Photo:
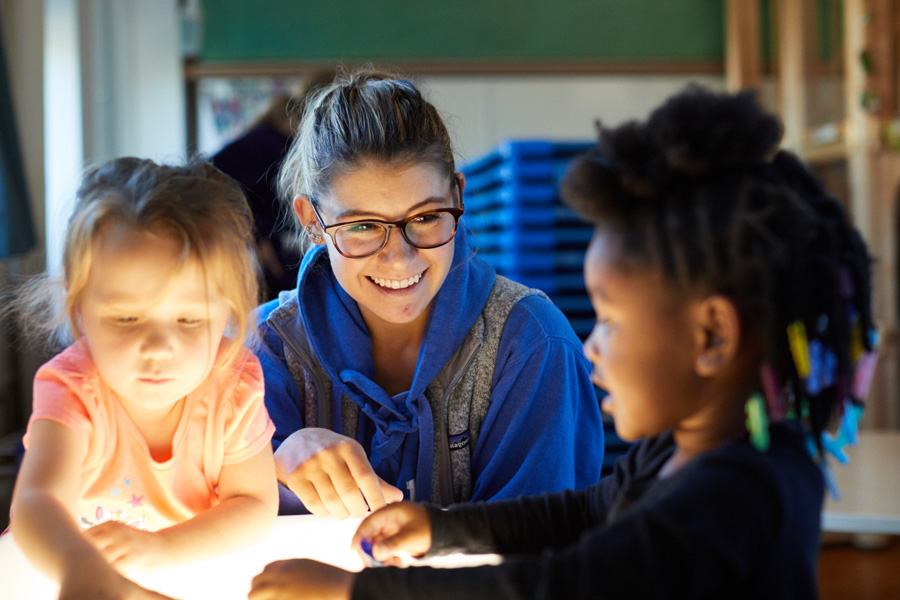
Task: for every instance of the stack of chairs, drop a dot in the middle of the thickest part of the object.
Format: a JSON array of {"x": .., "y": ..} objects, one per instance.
[
  {"x": 525, "y": 232},
  {"x": 522, "y": 228}
]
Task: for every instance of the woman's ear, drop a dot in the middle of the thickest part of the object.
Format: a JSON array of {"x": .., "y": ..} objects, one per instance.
[
  {"x": 718, "y": 334},
  {"x": 307, "y": 216}
]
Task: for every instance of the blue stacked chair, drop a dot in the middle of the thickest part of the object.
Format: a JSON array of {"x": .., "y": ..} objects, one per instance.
[
  {"x": 525, "y": 232},
  {"x": 521, "y": 227}
]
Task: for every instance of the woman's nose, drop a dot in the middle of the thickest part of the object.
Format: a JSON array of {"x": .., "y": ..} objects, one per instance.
[{"x": 397, "y": 248}]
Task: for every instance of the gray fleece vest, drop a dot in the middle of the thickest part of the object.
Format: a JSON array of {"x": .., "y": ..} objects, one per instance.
[{"x": 459, "y": 396}]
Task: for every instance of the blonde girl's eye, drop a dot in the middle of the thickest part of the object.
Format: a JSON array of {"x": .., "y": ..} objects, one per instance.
[
  {"x": 125, "y": 320},
  {"x": 189, "y": 321}
]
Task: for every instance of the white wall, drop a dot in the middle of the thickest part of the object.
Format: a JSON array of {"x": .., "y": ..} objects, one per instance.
[
  {"x": 113, "y": 86},
  {"x": 481, "y": 111},
  {"x": 133, "y": 86}
]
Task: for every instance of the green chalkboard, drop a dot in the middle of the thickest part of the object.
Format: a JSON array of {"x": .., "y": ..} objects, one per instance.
[{"x": 463, "y": 30}]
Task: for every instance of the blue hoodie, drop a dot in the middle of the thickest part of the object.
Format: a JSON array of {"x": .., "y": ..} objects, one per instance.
[{"x": 542, "y": 431}]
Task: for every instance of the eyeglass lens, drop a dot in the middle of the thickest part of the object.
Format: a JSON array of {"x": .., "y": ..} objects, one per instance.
[{"x": 425, "y": 231}]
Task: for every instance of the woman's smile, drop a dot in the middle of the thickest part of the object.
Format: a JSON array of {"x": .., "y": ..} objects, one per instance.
[{"x": 397, "y": 284}]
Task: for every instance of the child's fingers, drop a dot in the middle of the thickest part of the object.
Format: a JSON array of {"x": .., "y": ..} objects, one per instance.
[
  {"x": 409, "y": 540},
  {"x": 402, "y": 528},
  {"x": 380, "y": 523}
]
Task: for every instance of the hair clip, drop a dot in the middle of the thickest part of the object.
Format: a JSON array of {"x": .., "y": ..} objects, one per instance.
[
  {"x": 823, "y": 366},
  {"x": 830, "y": 481},
  {"x": 834, "y": 447},
  {"x": 862, "y": 376},
  {"x": 757, "y": 423},
  {"x": 874, "y": 338},
  {"x": 771, "y": 391},
  {"x": 849, "y": 428},
  {"x": 799, "y": 348}
]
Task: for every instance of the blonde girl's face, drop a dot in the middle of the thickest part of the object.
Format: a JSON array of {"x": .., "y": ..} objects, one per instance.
[
  {"x": 396, "y": 285},
  {"x": 153, "y": 329},
  {"x": 641, "y": 346}
]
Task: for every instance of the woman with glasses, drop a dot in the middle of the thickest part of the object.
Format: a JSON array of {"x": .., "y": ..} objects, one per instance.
[{"x": 402, "y": 366}]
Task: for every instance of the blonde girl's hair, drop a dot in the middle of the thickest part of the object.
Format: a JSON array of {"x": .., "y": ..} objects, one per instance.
[
  {"x": 194, "y": 202},
  {"x": 363, "y": 116}
]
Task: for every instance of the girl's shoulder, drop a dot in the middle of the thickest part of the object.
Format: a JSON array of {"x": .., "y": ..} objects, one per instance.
[{"x": 74, "y": 365}]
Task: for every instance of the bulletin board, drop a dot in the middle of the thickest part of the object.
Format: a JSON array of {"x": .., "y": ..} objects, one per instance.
[{"x": 471, "y": 31}]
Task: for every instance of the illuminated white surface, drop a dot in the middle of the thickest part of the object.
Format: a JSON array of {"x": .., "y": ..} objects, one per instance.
[
  {"x": 223, "y": 578},
  {"x": 869, "y": 486}
]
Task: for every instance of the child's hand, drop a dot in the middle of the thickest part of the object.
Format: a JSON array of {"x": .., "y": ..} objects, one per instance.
[
  {"x": 396, "y": 529},
  {"x": 127, "y": 548},
  {"x": 301, "y": 578}
]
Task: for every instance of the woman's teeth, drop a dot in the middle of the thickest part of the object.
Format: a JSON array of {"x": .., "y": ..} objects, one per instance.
[{"x": 397, "y": 284}]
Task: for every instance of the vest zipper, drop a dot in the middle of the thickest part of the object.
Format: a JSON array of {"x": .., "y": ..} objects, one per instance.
[{"x": 446, "y": 477}]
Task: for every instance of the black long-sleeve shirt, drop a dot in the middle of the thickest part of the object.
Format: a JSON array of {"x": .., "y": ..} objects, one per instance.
[{"x": 733, "y": 523}]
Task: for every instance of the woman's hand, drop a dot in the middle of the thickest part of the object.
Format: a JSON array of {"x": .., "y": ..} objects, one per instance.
[
  {"x": 301, "y": 578},
  {"x": 398, "y": 529},
  {"x": 127, "y": 548},
  {"x": 331, "y": 474}
]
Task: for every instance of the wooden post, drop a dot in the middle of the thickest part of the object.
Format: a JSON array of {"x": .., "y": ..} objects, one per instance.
[
  {"x": 791, "y": 19},
  {"x": 881, "y": 42},
  {"x": 742, "y": 45}
]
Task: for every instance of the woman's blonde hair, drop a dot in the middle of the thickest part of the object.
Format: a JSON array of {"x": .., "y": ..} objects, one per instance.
[{"x": 194, "y": 202}]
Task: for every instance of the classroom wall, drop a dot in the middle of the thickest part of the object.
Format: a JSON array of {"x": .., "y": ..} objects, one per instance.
[{"x": 482, "y": 110}]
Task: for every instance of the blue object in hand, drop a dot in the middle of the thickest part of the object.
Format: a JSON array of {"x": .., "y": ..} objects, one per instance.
[{"x": 369, "y": 558}]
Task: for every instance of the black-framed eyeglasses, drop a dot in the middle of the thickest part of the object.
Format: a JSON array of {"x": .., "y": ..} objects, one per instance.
[{"x": 424, "y": 230}]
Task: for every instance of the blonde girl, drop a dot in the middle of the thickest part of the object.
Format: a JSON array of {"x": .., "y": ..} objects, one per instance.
[{"x": 149, "y": 444}]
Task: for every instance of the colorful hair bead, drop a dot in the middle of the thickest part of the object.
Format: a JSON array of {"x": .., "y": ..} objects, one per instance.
[
  {"x": 771, "y": 391},
  {"x": 874, "y": 339},
  {"x": 757, "y": 423},
  {"x": 862, "y": 377},
  {"x": 823, "y": 368},
  {"x": 799, "y": 348},
  {"x": 849, "y": 428},
  {"x": 830, "y": 481},
  {"x": 834, "y": 447}
]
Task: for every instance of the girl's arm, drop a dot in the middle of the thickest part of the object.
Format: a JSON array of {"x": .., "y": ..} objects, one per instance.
[
  {"x": 248, "y": 503},
  {"x": 45, "y": 529}
]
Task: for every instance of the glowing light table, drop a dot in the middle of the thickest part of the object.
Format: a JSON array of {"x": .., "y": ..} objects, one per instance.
[{"x": 223, "y": 578}]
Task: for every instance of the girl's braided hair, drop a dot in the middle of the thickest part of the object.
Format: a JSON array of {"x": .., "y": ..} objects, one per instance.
[{"x": 701, "y": 192}]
